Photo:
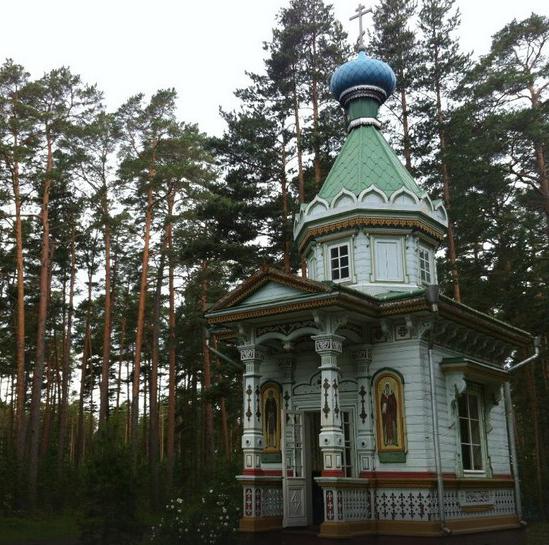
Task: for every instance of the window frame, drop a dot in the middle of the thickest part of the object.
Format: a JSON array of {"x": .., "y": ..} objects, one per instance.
[
  {"x": 477, "y": 391},
  {"x": 400, "y": 253},
  {"x": 311, "y": 266},
  {"x": 329, "y": 258},
  {"x": 430, "y": 262},
  {"x": 349, "y": 454}
]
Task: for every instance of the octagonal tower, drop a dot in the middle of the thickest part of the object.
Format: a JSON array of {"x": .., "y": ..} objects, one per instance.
[{"x": 370, "y": 227}]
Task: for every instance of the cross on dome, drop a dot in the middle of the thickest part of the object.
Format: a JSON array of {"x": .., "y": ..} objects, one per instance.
[{"x": 360, "y": 12}]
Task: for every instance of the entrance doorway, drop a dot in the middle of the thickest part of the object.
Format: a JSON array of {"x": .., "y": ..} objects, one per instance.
[{"x": 315, "y": 467}]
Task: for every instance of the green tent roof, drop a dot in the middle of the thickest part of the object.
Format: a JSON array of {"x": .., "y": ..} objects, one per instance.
[{"x": 366, "y": 159}]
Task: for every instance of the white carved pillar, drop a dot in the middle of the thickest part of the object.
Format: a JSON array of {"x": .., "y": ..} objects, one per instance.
[
  {"x": 287, "y": 367},
  {"x": 252, "y": 436},
  {"x": 329, "y": 346},
  {"x": 362, "y": 357}
]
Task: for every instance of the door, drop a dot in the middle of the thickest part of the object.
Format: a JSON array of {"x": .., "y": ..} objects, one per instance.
[
  {"x": 315, "y": 468},
  {"x": 294, "y": 482}
]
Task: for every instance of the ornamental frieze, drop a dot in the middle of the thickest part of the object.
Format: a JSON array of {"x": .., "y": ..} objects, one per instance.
[
  {"x": 479, "y": 497},
  {"x": 285, "y": 329},
  {"x": 250, "y": 353},
  {"x": 328, "y": 344}
]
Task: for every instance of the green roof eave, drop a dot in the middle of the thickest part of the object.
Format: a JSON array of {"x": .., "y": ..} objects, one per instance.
[
  {"x": 365, "y": 160},
  {"x": 397, "y": 295}
]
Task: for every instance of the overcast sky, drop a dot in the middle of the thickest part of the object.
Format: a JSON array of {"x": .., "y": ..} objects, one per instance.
[{"x": 201, "y": 48}]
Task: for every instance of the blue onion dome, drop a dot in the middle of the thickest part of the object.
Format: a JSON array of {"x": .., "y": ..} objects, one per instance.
[{"x": 363, "y": 77}]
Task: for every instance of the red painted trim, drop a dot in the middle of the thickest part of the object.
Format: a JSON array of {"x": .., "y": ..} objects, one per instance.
[
  {"x": 403, "y": 475},
  {"x": 257, "y": 472},
  {"x": 272, "y": 472},
  {"x": 333, "y": 473}
]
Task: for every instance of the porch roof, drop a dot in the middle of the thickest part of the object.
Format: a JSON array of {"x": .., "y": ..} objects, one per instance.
[{"x": 255, "y": 299}]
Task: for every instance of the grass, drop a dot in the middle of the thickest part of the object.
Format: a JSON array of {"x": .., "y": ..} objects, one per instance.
[{"x": 39, "y": 529}]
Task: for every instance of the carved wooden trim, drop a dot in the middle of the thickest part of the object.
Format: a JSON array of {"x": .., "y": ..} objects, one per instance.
[{"x": 370, "y": 221}]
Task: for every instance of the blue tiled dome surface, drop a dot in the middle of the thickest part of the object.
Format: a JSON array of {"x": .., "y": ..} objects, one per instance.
[{"x": 363, "y": 70}]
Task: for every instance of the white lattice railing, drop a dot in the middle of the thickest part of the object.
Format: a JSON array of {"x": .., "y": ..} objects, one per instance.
[
  {"x": 272, "y": 502},
  {"x": 356, "y": 504}
]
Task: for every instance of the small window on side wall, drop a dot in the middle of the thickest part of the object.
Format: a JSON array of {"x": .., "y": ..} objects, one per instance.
[
  {"x": 471, "y": 431},
  {"x": 340, "y": 268},
  {"x": 425, "y": 272}
]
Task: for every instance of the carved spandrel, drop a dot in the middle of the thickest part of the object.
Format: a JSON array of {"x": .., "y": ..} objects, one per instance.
[{"x": 285, "y": 329}]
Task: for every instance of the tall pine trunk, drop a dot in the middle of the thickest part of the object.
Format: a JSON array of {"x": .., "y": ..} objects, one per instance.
[
  {"x": 105, "y": 368},
  {"x": 134, "y": 431},
  {"x": 172, "y": 378},
  {"x": 20, "y": 331},
  {"x": 452, "y": 255},
  {"x": 541, "y": 165},
  {"x": 286, "y": 232},
  {"x": 406, "y": 130},
  {"x": 86, "y": 353},
  {"x": 298, "y": 145},
  {"x": 314, "y": 100},
  {"x": 207, "y": 371},
  {"x": 41, "y": 331},
  {"x": 63, "y": 415},
  {"x": 154, "y": 434}
]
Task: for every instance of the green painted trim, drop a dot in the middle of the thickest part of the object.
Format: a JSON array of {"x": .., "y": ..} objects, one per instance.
[
  {"x": 396, "y": 295},
  {"x": 271, "y": 457},
  {"x": 392, "y": 457},
  {"x": 362, "y": 107}
]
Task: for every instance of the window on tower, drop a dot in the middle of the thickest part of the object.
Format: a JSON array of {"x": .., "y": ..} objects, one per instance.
[
  {"x": 425, "y": 270},
  {"x": 388, "y": 259},
  {"x": 339, "y": 262}
]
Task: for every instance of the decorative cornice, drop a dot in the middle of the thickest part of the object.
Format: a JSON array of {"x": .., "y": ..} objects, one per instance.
[
  {"x": 271, "y": 311},
  {"x": 467, "y": 316},
  {"x": 474, "y": 370},
  {"x": 362, "y": 91},
  {"x": 370, "y": 221},
  {"x": 363, "y": 121}
]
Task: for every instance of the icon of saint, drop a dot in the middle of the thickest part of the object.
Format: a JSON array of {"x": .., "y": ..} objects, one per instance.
[
  {"x": 271, "y": 420},
  {"x": 389, "y": 416}
]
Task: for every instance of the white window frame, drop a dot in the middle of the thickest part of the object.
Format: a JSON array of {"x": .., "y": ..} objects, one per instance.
[
  {"x": 311, "y": 266},
  {"x": 349, "y": 462},
  {"x": 401, "y": 254},
  {"x": 477, "y": 391},
  {"x": 329, "y": 269},
  {"x": 430, "y": 262}
]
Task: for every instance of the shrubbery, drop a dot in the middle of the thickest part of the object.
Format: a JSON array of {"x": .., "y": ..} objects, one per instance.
[{"x": 208, "y": 519}]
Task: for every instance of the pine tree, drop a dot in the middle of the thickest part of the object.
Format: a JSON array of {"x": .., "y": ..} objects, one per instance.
[
  {"x": 441, "y": 66},
  {"x": 394, "y": 41},
  {"x": 16, "y": 147},
  {"x": 61, "y": 100}
]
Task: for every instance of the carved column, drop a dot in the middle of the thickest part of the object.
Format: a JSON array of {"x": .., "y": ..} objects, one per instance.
[
  {"x": 252, "y": 436},
  {"x": 287, "y": 367},
  {"x": 362, "y": 357},
  {"x": 329, "y": 346}
]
